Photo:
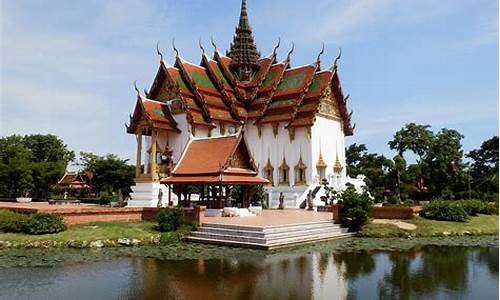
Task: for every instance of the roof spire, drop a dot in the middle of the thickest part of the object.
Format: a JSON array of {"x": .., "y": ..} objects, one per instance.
[{"x": 243, "y": 51}]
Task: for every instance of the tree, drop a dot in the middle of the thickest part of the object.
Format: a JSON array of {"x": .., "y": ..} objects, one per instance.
[
  {"x": 354, "y": 155},
  {"x": 413, "y": 137},
  {"x": 443, "y": 164},
  {"x": 110, "y": 172},
  {"x": 356, "y": 208},
  {"x": 50, "y": 157},
  {"x": 483, "y": 167},
  {"x": 15, "y": 169},
  {"x": 374, "y": 166},
  {"x": 398, "y": 168}
]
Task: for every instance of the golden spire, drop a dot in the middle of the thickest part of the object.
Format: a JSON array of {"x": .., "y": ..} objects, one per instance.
[
  {"x": 321, "y": 162},
  {"x": 337, "y": 166}
]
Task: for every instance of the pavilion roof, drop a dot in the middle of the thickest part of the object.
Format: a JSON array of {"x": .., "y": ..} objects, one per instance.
[
  {"x": 72, "y": 180},
  {"x": 152, "y": 113},
  {"x": 220, "y": 160}
]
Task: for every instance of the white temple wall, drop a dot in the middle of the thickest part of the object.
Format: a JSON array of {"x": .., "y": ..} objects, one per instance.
[
  {"x": 274, "y": 148},
  {"x": 328, "y": 136}
]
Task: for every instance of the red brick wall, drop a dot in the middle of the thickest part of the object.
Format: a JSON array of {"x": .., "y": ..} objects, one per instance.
[{"x": 391, "y": 212}]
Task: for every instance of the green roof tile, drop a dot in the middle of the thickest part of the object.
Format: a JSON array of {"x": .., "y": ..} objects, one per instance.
[{"x": 291, "y": 82}]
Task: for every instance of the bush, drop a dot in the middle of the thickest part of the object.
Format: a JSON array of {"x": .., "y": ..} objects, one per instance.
[
  {"x": 445, "y": 211},
  {"x": 12, "y": 222},
  {"x": 170, "y": 219},
  {"x": 474, "y": 207},
  {"x": 356, "y": 209},
  {"x": 40, "y": 223},
  {"x": 31, "y": 224}
]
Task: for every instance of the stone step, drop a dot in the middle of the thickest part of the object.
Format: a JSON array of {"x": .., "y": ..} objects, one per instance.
[
  {"x": 227, "y": 237},
  {"x": 268, "y": 233},
  {"x": 271, "y": 228},
  {"x": 304, "y": 238},
  {"x": 275, "y": 245},
  {"x": 264, "y": 238},
  {"x": 315, "y": 239}
]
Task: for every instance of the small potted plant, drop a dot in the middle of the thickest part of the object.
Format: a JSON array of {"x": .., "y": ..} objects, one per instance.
[{"x": 25, "y": 188}]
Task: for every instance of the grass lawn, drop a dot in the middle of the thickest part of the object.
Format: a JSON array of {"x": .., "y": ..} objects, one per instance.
[
  {"x": 480, "y": 225},
  {"x": 91, "y": 232}
]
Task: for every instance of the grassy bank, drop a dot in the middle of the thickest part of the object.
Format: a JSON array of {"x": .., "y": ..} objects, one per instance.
[
  {"x": 95, "y": 235},
  {"x": 479, "y": 225}
]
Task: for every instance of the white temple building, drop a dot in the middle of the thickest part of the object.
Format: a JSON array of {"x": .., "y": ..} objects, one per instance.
[{"x": 292, "y": 121}]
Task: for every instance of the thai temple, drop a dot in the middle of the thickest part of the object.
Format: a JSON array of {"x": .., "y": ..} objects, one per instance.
[{"x": 240, "y": 118}]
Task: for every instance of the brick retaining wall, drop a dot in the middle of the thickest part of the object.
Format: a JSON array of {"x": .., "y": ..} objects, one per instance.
[
  {"x": 81, "y": 215},
  {"x": 392, "y": 212}
]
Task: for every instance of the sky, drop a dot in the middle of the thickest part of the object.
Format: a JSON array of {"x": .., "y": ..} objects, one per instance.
[{"x": 68, "y": 67}]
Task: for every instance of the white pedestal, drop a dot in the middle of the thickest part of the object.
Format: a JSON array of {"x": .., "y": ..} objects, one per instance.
[{"x": 145, "y": 194}]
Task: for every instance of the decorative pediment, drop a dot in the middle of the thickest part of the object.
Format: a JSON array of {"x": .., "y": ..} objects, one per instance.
[{"x": 329, "y": 108}]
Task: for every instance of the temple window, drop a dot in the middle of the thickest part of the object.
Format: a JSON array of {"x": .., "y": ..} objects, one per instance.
[
  {"x": 321, "y": 167},
  {"x": 269, "y": 171},
  {"x": 284, "y": 169},
  {"x": 337, "y": 167},
  {"x": 300, "y": 172}
]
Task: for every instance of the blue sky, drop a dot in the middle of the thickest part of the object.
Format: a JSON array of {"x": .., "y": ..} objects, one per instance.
[{"x": 67, "y": 67}]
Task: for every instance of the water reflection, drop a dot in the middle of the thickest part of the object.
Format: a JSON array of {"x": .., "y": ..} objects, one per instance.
[{"x": 427, "y": 273}]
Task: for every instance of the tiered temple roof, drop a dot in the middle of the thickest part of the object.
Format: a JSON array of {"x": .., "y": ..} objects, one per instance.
[{"x": 217, "y": 91}]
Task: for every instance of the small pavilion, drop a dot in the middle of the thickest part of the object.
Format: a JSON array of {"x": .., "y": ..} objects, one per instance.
[
  {"x": 73, "y": 183},
  {"x": 214, "y": 166}
]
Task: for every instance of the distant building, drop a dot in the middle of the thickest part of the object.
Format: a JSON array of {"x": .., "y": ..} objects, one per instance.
[
  {"x": 294, "y": 118},
  {"x": 74, "y": 183}
]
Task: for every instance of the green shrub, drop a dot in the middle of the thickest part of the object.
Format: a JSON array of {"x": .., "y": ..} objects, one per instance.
[
  {"x": 356, "y": 209},
  {"x": 170, "y": 219},
  {"x": 474, "y": 207},
  {"x": 11, "y": 221},
  {"x": 445, "y": 211},
  {"x": 40, "y": 223},
  {"x": 31, "y": 224}
]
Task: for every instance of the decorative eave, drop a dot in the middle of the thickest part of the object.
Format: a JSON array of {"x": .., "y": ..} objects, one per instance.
[
  {"x": 220, "y": 86},
  {"x": 269, "y": 98},
  {"x": 142, "y": 116},
  {"x": 342, "y": 103},
  {"x": 200, "y": 101},
  {"x": 263, "y": 73},
  {"x": 238, "y": 91},
  {"x": 302, "y": 95}
]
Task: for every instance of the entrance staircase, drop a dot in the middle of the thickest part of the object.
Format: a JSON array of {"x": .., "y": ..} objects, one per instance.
[{"x": 267, "y": 237}]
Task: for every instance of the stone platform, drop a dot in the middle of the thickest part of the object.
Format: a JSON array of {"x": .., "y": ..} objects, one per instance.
[{"x": 271, "y": 230}]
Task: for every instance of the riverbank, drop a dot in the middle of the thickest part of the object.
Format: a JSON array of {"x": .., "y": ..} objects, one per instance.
[
  {"x": 115, "y": 234},
  {"x": 36, "y": 257},
  {"x": 421, "y": 227},
  {"x": 95, "y": 235}
]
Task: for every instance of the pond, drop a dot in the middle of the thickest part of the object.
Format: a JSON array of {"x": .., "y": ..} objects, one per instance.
[{"x": 431, "y": 272}]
